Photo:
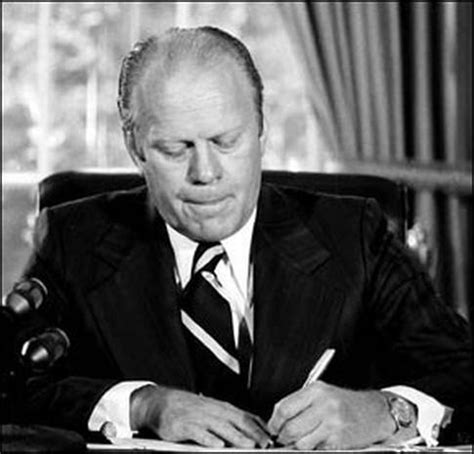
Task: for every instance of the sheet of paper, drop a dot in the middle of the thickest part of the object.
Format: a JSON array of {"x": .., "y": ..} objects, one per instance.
[{"x": 158, "y": 445}]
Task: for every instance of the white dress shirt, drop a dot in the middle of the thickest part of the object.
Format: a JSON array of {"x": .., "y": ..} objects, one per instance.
[
  {"x": 236, "y": 276},
  {"x": 233, "y": 271}
]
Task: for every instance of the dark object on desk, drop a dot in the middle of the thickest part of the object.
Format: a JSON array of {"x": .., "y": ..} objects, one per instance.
[
  {"x": 16, "y": 315},
  {"x": 391, "y": 195},
  {"x": 27, "y": 345},
  {"x": 43, "y": 350},
  {"x": 40, "y": 439},
  {"x": 25, "y": 297}
]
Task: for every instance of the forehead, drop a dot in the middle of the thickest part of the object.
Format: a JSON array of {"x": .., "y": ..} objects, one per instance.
[{"x": 195, "y": 100}]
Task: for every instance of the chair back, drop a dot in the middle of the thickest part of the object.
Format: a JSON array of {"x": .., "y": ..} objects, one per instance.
[{"x": 391, "y": 195}]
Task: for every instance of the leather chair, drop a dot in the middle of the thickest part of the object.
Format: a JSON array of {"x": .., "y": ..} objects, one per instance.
[{"x": 392, "y": 196}]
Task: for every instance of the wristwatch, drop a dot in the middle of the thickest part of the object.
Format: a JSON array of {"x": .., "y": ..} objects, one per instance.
[{"x": 403, "y": 411}]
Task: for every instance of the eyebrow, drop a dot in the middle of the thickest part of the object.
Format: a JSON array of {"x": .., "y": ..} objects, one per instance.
[
  {"x": 229, "y": 132},
  {"x": 160, "y": 143},
  {"x": 163, "y": 143}
]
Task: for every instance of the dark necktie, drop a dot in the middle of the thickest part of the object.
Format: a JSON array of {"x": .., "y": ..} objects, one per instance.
[
  {"x": 207, "y": 316},
  {"x": 244, "y": 352}
]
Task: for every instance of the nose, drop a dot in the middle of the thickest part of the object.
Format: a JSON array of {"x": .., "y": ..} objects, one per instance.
[{"x": 204, "y": 165}]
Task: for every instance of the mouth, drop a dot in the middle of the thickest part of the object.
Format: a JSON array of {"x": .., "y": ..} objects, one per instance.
[
  {"x": 207, "y": 206},
  {"x": 206, "y": 202}
]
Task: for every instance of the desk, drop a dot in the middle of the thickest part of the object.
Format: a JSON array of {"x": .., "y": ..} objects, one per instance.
[
  {"x": 139, "y": 444},
  {"x": 43, "y": 439}
]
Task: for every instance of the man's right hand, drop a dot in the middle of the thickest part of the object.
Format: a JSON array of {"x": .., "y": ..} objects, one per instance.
[{"x": 178, "y": 416}]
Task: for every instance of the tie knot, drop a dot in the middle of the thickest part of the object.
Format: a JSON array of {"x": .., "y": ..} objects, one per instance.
[{"x": 207, "y": 256}]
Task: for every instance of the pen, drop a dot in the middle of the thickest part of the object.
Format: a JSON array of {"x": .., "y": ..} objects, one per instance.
[{"x": 320, "y": 366}]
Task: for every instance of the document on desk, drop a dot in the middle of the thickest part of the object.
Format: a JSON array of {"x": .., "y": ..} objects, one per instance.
[{"x": 159, "y": 445}]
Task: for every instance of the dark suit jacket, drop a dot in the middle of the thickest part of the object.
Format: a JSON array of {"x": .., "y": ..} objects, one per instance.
[{"x": 327, "y": 274}]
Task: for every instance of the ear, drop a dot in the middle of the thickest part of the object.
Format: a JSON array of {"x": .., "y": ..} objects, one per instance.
[
  {"x": 133, "y": 150},
  {"x": 263, "y": 136}
]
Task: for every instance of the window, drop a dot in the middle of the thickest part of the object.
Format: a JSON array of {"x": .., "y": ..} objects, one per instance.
[{"x": 60, "y": 70}]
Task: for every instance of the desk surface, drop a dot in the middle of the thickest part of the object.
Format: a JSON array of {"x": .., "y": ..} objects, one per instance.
[
  {"x": 140, "y": 444},
  {"x": 42, "y": 439}
]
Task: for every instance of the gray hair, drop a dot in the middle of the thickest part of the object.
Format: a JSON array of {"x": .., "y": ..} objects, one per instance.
[{"x": 204, "y": 44}]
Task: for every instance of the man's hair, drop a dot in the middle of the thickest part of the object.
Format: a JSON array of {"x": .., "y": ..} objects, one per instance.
[{"x": 205, "y": 45}]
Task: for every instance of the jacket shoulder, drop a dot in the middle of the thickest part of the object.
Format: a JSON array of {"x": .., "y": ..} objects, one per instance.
[
  {"x": 342, "y": 223},
  {"x": 90, "y": 213},
  {"x": 326, "y": 208}
]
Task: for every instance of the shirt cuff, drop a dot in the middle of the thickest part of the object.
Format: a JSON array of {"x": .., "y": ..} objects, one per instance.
[
  {"x": 111, "y": 415},
  {"x": 432, "y": 415}
]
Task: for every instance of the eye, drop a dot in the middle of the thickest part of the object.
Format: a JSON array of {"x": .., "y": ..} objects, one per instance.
[
  {"x": 174, "y": 150},
  {"x": 224, "y": 143}
]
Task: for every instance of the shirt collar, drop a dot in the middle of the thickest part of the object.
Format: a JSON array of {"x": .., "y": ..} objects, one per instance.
[{"x": 236, "y": 246}]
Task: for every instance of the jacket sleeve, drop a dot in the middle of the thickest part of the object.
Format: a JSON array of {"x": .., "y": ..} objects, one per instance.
[
  {"x": 66, "y": 393},
  {"x": 424, "y": 344}
]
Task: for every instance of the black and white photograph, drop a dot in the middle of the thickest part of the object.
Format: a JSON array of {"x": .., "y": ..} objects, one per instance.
[{"x": 236, "y": 226}]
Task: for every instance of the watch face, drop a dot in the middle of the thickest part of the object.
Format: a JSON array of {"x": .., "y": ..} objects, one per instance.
[{"x": 402, "y": 411}]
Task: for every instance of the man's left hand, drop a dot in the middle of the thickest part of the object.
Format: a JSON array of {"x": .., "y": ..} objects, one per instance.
[{"x": 325, "y": 416}]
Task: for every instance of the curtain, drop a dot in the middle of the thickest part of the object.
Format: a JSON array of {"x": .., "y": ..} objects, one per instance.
[{"x": 390, "y": 85}]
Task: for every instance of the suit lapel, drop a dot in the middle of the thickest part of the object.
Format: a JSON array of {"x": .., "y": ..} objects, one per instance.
[
  {"x": 134, "y": 301},
  {"x": 293, "y": 306},
  {"x": 133, "y": 298}
]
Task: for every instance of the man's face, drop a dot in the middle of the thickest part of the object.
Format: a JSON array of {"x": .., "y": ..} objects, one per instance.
[{"x": 199, "y": 137}]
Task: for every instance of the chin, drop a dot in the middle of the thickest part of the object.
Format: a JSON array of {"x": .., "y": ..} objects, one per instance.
[
  {"x": 213, "y": 233},
  {"x": 210, "y": 236}
]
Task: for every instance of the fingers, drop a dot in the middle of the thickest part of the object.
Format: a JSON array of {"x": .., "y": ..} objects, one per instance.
[
  {"x": 207, "y": 431},
  {"x": 248, "y": 424},
  {"x": 255, "y": 429},
  {"x": 211, "y": 429},
  {"x": 182, "y": 416},
  {"x": 217, "y": 434},
  {"x": 301, "y": 419},
  {"x": 300, "y": 426},
  {"x": 333, "y": 418},
  {"x": 319, "y": 438},
  {"x": 289, "y": 407},
  {"x": 204, "y": 437},
  {"x": 232, "y": 435}
]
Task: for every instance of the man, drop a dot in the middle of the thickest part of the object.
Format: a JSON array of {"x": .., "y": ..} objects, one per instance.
[{"x": 295, "y": 274}]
